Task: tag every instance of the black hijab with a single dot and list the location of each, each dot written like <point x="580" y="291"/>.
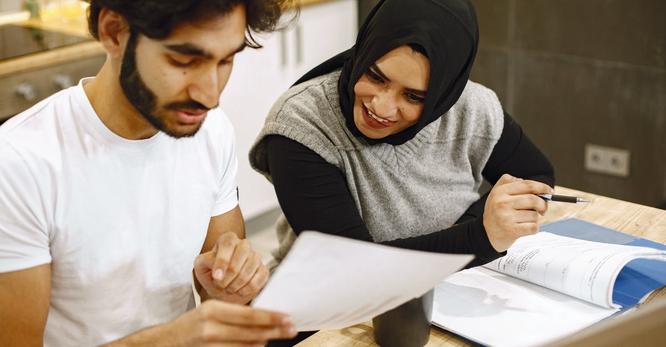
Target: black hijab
<point x="445" y="29"/>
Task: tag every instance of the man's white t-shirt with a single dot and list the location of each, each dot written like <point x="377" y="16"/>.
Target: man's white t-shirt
<point x="120" y="221"/>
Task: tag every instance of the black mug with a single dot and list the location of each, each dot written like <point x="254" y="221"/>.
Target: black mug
<point x="405" y="325"/>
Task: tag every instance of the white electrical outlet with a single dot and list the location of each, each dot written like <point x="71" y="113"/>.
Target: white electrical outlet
<point x="607" y="160"/>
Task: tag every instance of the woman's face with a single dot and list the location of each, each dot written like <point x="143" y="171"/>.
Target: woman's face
<point x="389" y="96"/>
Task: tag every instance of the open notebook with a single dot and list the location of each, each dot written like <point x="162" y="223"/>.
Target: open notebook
<point x="550" y="285"/>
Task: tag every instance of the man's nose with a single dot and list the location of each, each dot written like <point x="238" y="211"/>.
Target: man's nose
<point x="205" y="89"/>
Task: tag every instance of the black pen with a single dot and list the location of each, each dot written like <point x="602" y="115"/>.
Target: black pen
<point x="563" y="198"/>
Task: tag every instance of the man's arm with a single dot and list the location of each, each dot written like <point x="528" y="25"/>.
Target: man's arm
<point x="25" y="269"/>
<point x="228" y="268"/>
<point x="214" y="323"/>
<point x="213" y="320"/>
<point x="24" y="305"/>
<point x="229" y="221"/>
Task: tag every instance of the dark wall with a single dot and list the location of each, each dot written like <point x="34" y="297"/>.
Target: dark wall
<point x="575" y="72"/>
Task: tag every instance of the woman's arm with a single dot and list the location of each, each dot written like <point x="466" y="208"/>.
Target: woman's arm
<point x="516" y="155"/>
<point x="314" y="195"/>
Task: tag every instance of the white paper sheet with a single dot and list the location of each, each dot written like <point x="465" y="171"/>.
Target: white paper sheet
<point x="498" y="310"/>
<point x="330" y="282"/>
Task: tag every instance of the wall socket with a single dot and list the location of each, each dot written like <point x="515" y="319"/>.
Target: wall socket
<point x="607" y="160"/>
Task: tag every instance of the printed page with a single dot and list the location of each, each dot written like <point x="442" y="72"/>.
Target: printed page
<point x="330" y="282"/>
<point x="498" y="310"/>
<point x="583" y="269"/>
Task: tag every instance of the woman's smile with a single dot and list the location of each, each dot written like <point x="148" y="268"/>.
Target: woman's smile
<point x="389" y="96"/>
<point x="374" y="121"/>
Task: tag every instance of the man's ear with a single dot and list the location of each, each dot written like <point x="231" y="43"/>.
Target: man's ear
<point x="113" y="32"/>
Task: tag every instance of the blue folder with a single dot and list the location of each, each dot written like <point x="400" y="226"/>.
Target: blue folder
<point x="638" y="278"/>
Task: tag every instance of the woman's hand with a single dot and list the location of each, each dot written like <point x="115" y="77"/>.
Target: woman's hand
<point x="512" y="210"/>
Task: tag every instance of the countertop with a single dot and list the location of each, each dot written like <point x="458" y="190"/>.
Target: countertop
<point x="633" y="219"/>
<point x="70" y="19"/>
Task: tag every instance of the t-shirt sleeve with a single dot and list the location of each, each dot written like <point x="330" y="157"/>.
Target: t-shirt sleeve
<point x="227" y="191"/>
<point x="24" y="233"/>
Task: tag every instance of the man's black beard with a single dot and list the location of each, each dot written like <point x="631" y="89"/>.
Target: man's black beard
<point x="143" y="99"/>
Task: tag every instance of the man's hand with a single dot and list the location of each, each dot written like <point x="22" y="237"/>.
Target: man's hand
<point x="512" y="210"/>
<point x="215" y="323"/>
<point x="232" y="271"/>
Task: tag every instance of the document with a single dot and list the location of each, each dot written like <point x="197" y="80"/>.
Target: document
<point x="546" y="287"/>
<point x="331" y="282"/>
<point x="583" y="269"/>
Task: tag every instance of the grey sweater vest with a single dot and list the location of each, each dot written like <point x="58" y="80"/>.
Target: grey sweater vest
<point x="416" y="188"/>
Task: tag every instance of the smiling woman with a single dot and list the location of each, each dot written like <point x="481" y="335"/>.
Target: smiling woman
<point x="390" y="95"/>
<point x="390" y="141"/>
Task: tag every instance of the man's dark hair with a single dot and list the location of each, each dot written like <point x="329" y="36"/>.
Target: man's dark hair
<point x="157" y="18"/>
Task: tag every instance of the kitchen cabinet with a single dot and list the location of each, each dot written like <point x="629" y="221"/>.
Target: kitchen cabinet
<point x="22" y="90"/>
<point x="321" y="32"/>
<point x="260" y="76"/>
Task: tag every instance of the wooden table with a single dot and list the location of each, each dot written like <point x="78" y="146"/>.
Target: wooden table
<point x="634" y="219"/>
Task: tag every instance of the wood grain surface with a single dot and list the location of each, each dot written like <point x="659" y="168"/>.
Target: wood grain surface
<point x="630" y="218"/>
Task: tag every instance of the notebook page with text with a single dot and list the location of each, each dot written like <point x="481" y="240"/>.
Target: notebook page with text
<point x="584" y="269"/>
